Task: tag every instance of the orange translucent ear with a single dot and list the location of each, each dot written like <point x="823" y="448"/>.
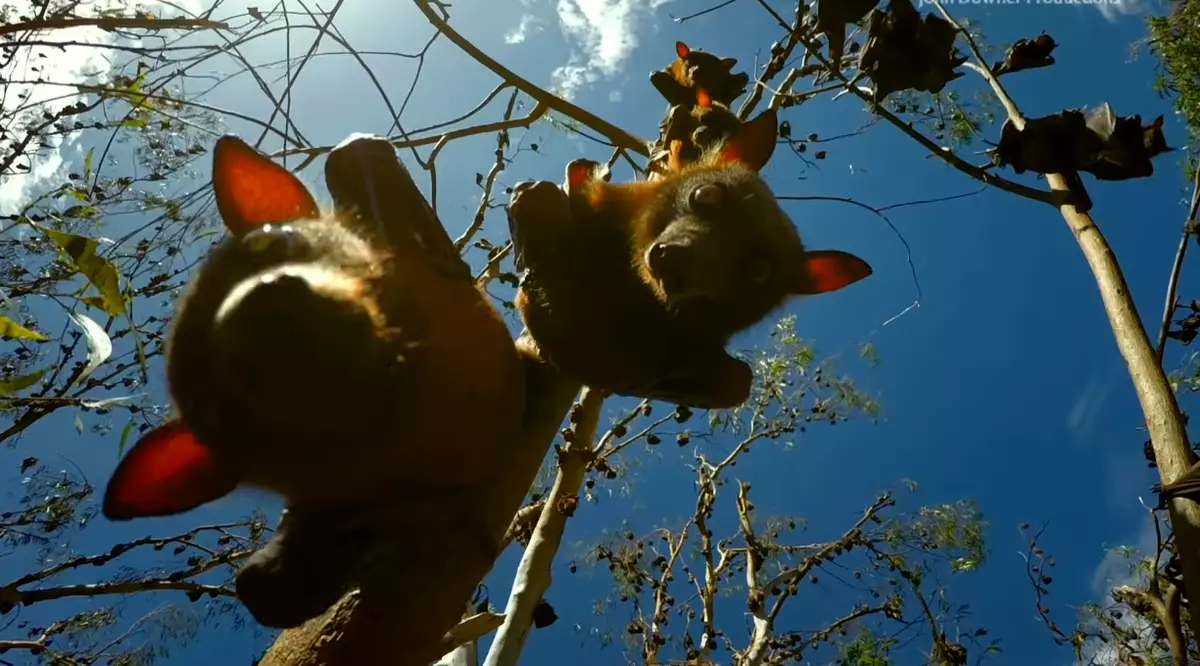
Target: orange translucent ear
<point x="828" y="270"/>
<point x="168" y="471"/>
<point x="682" y="49"/>
<point x="252" y="190"/>
<point x="703" y="99"/>
<point x="754" y="142"/>
<point x="580" y="172"/>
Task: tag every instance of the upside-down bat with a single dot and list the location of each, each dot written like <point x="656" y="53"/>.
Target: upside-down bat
<point x="339" y="360"/>
<point x="693" y="69"/>
<point x="636" y="288"/>
<point x="687" y="132"/>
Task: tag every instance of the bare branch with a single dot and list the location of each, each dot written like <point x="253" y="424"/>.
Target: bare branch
<point x="112" y="24"/>
<point x="533" y="573"/>
<point x="616" y="135"/>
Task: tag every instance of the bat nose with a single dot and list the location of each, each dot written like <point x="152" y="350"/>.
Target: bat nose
<point x="277" y="332"/>
<point x="668" y="263"/>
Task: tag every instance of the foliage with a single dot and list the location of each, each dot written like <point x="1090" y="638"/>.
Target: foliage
<point x="85" y="298"/>
<point x="1175" y="41"/>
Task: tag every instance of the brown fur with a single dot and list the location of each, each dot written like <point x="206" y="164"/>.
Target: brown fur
<point x="408" y="381"/>
<point x="694" y="69"/>
<point x="688" y="132"/>
<point x="347" y="362"/>
<point x="600" y="312"/>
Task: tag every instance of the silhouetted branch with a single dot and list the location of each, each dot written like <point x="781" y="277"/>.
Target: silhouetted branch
<point x="114" y="23"/>
<point x="1189" y="230"/>
<point x="618" y="136"/>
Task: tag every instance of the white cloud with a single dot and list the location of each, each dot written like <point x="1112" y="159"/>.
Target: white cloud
<point x="601" y="34"/>
<point x="1114" y="571"/>
<point x="615" y="97"/>
<point x="22" y="103"/>
<point x="529" y="25"/>
<point x="1087" y="408"/>
<point x="70" y="65"/>
<point x="1113" y="10"/>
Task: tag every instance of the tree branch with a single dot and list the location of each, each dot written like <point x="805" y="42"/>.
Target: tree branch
<point x="616" y="135"/>
<point x="1177" y="268"/>
<point x="111" y="24"/>
<point x="533" y="573"/>
<point x="1172" y="451"/>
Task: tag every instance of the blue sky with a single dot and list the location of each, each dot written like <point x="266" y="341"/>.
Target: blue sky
<point x="1005" y="386"/>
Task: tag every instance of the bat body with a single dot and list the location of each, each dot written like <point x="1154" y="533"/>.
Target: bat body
<point x="694" y="69"/>
<point x="699" y="87"/>
<point x="344" y="361"/>
<point x="688" y="132"/>
<point x="636" y="288"/>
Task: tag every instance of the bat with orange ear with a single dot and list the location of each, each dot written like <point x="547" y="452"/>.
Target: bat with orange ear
<point x="170" y="469"/>
<point x="688" y="133"/>
<point x="325" y="357"/>
<point x="693" y="69"/>
<point x="693" y="257"/>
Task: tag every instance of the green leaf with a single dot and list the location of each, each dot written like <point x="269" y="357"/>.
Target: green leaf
<point x="87" y="163"/>
<point x="81" y="211"/>
<point x="964" y="564"/>
<point x="133" y="122"/>
<point x="10" y="386"/>
<point x="124" y="438"/>
<point x="78" y="423"/>
<point x="98" y="270"/>
<point x="11" y="329"/>
<point x="106" y="402"/>
<point x="98" y="343"/>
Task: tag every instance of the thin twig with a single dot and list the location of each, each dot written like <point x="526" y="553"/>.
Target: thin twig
<point x="618" y="136"/>
<point x="1177" y="268"/>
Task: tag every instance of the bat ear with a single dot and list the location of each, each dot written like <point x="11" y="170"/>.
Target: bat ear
<point x="728" y="63"/>
<point x="823" y="271"/>
<point x="754" y="142"/>
<point x="682" y="49"/>
<point x="252" y="190"/>
<point x="168" y="471"/>
<point x="580" y="172"/>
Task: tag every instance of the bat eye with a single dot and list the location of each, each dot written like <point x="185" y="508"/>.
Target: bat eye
<point x="709" y="196"/>
<point x="758" y="270"/>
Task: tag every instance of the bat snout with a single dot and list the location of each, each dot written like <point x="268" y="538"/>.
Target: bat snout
<point x="684" y="266"/>
<point x="280" y="334"/>
<point x="670" y="264"/>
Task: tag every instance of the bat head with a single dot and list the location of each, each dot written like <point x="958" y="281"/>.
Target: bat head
<point x="281" y="311"/>
<point x="721" y="241"/>
<point x="712" y="72"/>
